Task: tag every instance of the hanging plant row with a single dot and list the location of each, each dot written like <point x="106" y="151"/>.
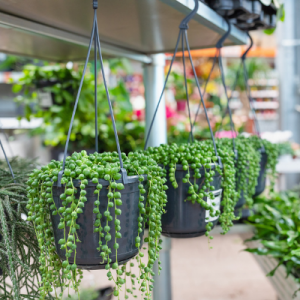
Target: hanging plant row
<point x="90" y="211"/>
<point x="91" y="186"/>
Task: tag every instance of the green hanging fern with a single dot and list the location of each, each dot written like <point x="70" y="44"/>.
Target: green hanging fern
<point x="19" y="251"/>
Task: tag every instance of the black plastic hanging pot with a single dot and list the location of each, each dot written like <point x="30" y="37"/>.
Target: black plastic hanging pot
<point x="184" y="219"/>
<point x="87" y="255"/>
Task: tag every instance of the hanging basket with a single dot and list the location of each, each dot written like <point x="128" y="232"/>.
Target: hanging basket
<point x="184" y="219"/>
<point x="87" y="255"/>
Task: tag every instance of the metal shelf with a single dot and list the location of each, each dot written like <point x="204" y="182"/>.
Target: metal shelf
<point x="265" y="94"/>
<point x="59" y="30"/>
<point x="266" y="105"/>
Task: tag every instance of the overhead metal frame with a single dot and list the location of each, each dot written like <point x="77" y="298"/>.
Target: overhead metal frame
<point x="59" y="30"/>
<point x="27" y="28"/>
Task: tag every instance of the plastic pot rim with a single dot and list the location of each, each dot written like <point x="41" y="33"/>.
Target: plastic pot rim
<point x="130" y="179"/>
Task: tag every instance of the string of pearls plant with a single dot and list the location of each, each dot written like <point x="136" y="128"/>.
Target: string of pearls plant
<point x="248" y="163"/>
<point x="193" y="157"/>
<point x="89" y="169"/>
<point x="272" y="151"/>
<point x="247" y="166"/>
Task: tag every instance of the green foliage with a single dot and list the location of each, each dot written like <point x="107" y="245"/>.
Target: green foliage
<point x="87" y="294"/>
<point x="63" y="85"/>
<point x="19" y="250"/>
<point x="285" y="148"/>
<point x="248" y="163"/>
<point x="197" y="156"/>
<point x="272" y="151"/>
<point x="89" y="169"/>
<point x="280" y="16"/>
<point x="15" y="63"/>
<point x="276" y="221"/>
<point x="255" y="67"/>
<point x="247" y="166"/>
<point x="176" y="81"/>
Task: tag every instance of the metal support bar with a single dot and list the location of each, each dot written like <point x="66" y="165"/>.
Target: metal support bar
<point x="289" y="71"/>
<point x="210" y="19"/>
<point x="31" y="27"/>
<point x="162" y="284"/>
<point x="154" y="76"/>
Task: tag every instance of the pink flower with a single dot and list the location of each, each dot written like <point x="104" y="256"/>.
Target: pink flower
<point x="225" y="134"/>
<point x="170" y="112"/>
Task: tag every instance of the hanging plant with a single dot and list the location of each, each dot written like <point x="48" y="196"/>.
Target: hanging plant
<point x="199" y="162"/>
<point x="89" y="211"/>
<point x="200" y="175"/>
<point x="247" y="168"/>
<point x="89" y="171"/>
<point x="272" y="151"/>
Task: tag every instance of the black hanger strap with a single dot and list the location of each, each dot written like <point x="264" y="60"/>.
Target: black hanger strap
<point x="248" y="90"/>
<point x="7" y="161"/>
<point x="95" y="37"/>
<point x="186" y="87"/>
<point x="200" y="93"/>
<point x="183" y="33"/>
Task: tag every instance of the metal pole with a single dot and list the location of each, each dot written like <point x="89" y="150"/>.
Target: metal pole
<point x="288" y="66"/>
<point x="162" y="284"/>
<point x="154" y="77"/>
<point x="154" y="80"/>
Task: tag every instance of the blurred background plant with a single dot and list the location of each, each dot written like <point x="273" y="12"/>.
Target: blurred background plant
<point x="256" y="67"/>
<point x="61" y="85"/>
<point x="92" y="294"/>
